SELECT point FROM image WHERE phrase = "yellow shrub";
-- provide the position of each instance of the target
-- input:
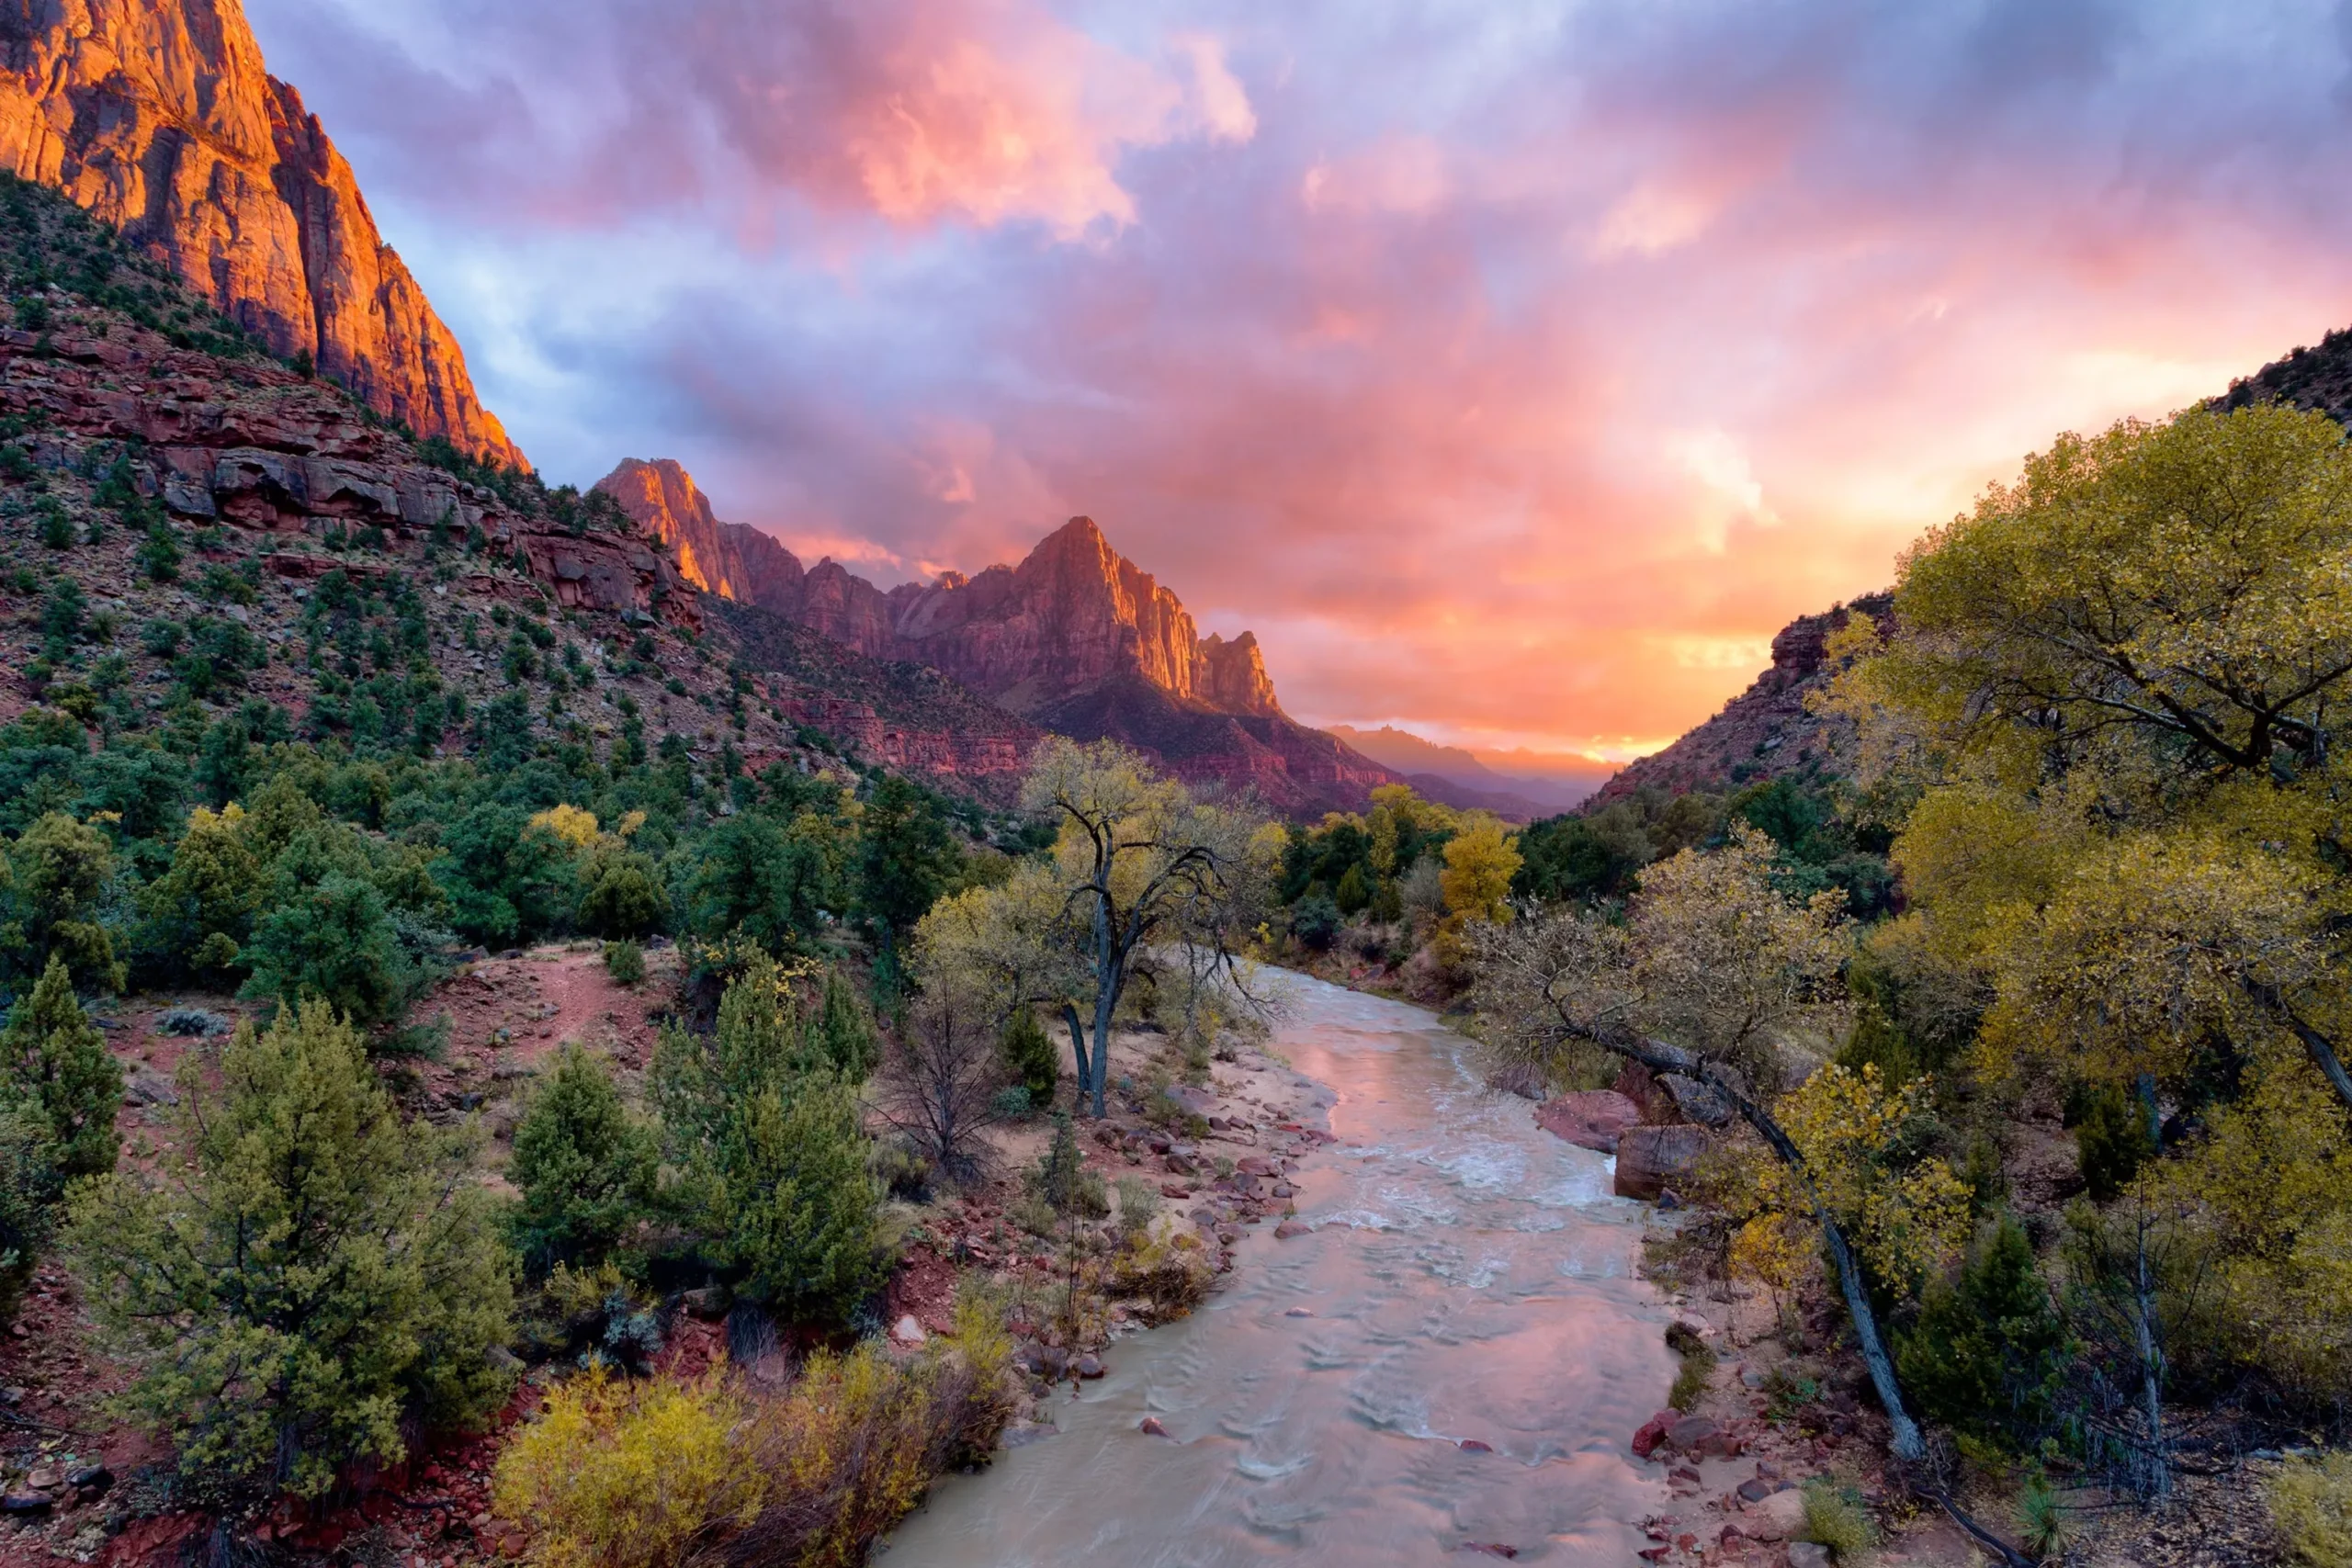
(631, 1475)
(2311, 1502)
(1169, 1269)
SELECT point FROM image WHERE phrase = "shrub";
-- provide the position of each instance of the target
(1315, 921)
(584, 1168)
(2311, 1502)
(158, 553)
(2111, 1140)
(620, 1474)
(314, 1278)
(1029, 1057)
(624, 961)
(29, 1185)
(1988, 1353)
(2042, 1522)
(1170, 1273)
(335, 942)
(1834, 1517)
(623, 899)
(794, 1205)
(1697, 1372)
(56, 1065)
(1061, 1181)
(846, 1030)
(1138, 1206)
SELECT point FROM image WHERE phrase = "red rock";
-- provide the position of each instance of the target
(1150, 1427)
(1690, 1433)
(157, 117)
(1474, 1445)
(1649, 1157)
(1653, 1431)
(1290, 1228)
(1591, 1120)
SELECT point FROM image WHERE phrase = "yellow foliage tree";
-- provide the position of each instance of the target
(1480, 861)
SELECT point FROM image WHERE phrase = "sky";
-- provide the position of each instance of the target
(1514, 368)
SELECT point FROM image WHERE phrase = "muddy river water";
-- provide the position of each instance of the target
(1470, 1280)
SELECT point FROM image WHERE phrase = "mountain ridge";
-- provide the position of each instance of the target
(158, 117)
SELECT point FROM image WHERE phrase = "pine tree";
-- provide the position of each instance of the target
(311, 1282)
(796, 1204)
(585, 1168)
(56, 1061)
(1030, 1057)
(1989, 1350)
(846, 1030)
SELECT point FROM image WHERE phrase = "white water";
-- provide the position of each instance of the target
(1471, 1278)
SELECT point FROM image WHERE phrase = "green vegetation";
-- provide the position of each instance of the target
(316, 1277)
(585, 1168)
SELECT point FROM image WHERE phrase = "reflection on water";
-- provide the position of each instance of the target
(1470, 1280)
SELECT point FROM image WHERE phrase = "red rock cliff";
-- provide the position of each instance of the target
(156, 116)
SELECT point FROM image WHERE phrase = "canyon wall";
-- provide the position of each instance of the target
(158, 118)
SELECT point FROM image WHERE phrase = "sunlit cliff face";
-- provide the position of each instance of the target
(1514, 371)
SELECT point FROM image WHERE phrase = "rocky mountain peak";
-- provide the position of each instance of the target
(158, 118)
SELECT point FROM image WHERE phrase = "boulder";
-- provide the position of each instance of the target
(1592, 1119)
(1702, 1103)
(1650, 1158)
(1777, 1518)
(907, 1332)
(1807, 1554)
(1653, 1432)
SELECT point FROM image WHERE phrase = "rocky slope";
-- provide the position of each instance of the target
(157, 117)
(162, 503)
(1765, 731)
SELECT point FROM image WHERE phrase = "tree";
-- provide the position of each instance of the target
(307, 1279)
(1480, 862)
(336, 943)
(623, 897)
(1140, 864)
(585, 1168)
(60, 870)
(201, 913)
(2123, 673)
(1989, 1350)
(795, 1208)
(942, 1084)
(1028, 1057)
(55, 1060)
(906, 859)
(1714, 969)
(759, 877)
(846, 1030)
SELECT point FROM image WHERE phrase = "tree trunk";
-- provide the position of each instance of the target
(1077, 1049)
(1905, 1441)
(2324, 1054)
(1106, 1004)
(2155, 1472)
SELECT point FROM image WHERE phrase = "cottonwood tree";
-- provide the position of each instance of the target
(1706, 983)
(2122, 678)
(1140, 868)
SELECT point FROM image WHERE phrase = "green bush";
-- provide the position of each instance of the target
(1315, 921)
(846, 1030)
(2311, 1502)
(585, 1170)
(1989, 1353)
(336, 942)
(1061, 1181)
(2111, 1139)
(1030, 1058)
(319, 1281)
(30, 1184)
(795, 1208)
(54, 1062)
(1697, 1372)
(1834, 1517)
(623, 899)
(624, 961)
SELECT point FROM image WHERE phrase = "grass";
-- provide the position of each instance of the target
(1834, 1518)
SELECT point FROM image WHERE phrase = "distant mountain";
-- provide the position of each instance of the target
(158, 118)
(1076, 638)
(1541, 791)
(1765, 731)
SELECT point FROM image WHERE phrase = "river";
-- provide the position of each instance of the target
(1470, 1280)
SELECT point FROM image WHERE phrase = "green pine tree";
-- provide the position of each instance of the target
(56, 1061)
(314, 1281)
(585, 1167)
(1989, 1350)
(1030, 1058)
(846, 1030)
(795, 1206)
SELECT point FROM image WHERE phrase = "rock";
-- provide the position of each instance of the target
(1088, 1367)
(145, 1086)
(1691, 1434)
(1808, 1554)
(1295, 1312)
(45, 1478)
(1474, 1446)
(90, 1478)
(1653, 1431)
(503, 1359)
(1149, 1426)
(1519, 1078)
(1754, 1490)
(25, 1502)
(1648, 1157)
(706, 1301)
(1190, 1099)
(1491, 1549)
(907, 1332)
(1290, 1228)
(1777, 1518)
(1698, 1102)
(1591, 1119)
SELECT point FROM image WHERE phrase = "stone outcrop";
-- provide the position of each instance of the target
(157, 117)
(1764, 732)
(1650, 1159)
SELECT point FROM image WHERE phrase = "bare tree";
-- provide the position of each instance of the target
(940, 1083)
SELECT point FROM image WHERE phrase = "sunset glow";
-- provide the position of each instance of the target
(1514, 371)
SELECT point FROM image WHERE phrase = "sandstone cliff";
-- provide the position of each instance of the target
(1765, 731)
(156, 117)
